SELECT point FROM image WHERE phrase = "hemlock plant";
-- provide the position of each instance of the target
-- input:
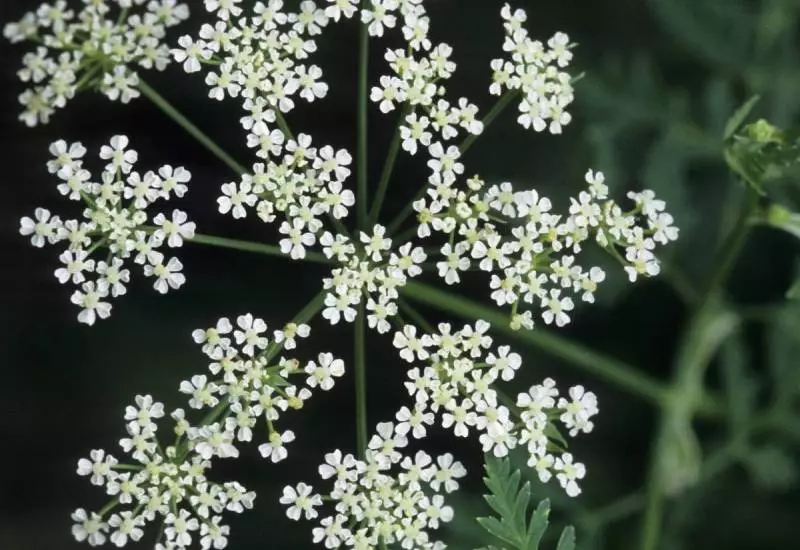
(391, 492)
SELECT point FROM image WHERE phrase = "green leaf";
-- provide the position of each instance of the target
(511, 503)
(737, 119)
(771, 468)
(567, 539)
(538, 525)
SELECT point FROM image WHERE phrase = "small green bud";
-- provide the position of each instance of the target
(764, 132)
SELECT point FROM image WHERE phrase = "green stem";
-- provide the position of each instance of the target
(193, 130)
(361, 381)
(621, 508)
(607, 368)
(415, 316)
(708, 328)
(310, 310)
(493, 113)
(250, 246)
(386, 174)
(501, 104)
(361, 123)
(283, 125)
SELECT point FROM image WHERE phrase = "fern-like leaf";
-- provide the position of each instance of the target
(512, 525)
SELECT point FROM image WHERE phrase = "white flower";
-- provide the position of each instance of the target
(145, 411)
(178, 528)
(250, 336)
(454, 261)
(43, 229)
(120, 158)
(341, 8)
(410, 346)
(89, 527)
(202, 393)
(113, 275)
(300, 501)
(333, 163)
(175, 230)
(234, 200)
(173, 180)
(323, 374)
(65, 156)
(75, 264)
(167, 275)
(390, 91)
(275, 449)
(125, 525)
(121, 84)
(99, 466)
(379, 15)
(296, 239)
(290, 332)
(191, 53)
(569, 473)
(578, 410)
(90, 298)
(557, 308)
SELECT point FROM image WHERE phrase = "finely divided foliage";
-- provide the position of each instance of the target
(389, 494)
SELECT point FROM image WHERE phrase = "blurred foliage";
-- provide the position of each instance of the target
(692, 145)
(648, 133)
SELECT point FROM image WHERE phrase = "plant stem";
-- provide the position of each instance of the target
(250, 246)
(361, 122)
(193, 130)
(708, 328)
(607, 368)
(283, 125)
(501, 104)
(361, 381)
(386, 174)
(362, 223)
(495, 111)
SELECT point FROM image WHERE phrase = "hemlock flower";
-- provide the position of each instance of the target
(169, 484)
(115, 219)
(529, 252)
(98, 47)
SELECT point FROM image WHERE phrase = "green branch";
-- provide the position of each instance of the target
(250, 246)
(388, 167)
(675, 452)
(501, 104)
(193, 130)
(361, 122)
(602, 366)
(361, 381)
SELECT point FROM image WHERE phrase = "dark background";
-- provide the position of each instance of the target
(64, 385)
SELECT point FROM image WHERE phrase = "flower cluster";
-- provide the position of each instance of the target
(115, 218)
(529, 251)
(457, 386)
(375, 275)
(261, 61)
(532, 253)
(534, 71)
(387, 498)
(95, 47)
(169, 484)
